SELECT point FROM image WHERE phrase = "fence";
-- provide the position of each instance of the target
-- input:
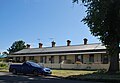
(76, 66)
(4, 65)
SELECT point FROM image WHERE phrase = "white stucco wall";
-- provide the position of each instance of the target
(71, 58)
(97, 58)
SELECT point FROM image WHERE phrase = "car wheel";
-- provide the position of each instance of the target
(35, 73)
(14, 71)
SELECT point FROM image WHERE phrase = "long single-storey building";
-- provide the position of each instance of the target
(84, 56)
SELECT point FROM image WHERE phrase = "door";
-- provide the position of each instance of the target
(52, 59)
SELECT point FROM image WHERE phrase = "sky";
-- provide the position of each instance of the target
(35, 21)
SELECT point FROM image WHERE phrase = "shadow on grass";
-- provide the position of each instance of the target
(97, 76)
(20, 78)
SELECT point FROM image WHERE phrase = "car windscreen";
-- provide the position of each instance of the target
(35, 64)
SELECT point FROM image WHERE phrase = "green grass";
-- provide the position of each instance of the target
(66, 73)
(87, 75)
(4, 70)
(104, 77)
(83, 75)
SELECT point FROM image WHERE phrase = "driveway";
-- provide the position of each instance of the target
(10, 78)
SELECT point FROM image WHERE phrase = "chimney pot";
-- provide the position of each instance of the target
(40, 45)
(53, 43)
(85, 41)
(68, 42)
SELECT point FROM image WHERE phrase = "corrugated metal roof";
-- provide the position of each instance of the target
(58, 54)
(96, 46)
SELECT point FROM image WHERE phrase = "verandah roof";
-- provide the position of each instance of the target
(63, 50)
(58, 54)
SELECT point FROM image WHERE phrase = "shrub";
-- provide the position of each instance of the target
(3, 65)
(102, 71)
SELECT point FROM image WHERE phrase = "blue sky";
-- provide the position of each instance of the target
(35, 21)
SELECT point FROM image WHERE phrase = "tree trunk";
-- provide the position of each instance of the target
(114, 57)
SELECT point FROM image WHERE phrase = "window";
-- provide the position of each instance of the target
(31, 58)
(79, 58)
(104, 58)
(62, 59)
(43, 59)
(24, 58)
(17, 59)
(91, 58)
(52, 59)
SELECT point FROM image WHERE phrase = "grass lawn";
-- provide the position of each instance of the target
(66, 73)
(63, 73)
(4, 70)
(87, 75)
(84, 75)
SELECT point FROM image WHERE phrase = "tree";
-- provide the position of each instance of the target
(5, 53)
(103, 19)
(16, 46)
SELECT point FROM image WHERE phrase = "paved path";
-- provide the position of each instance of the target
(10, 78)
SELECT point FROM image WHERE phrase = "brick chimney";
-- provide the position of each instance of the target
(68, 42)
(85, 41)
(53, 43)
(40, 45)
(28, 46)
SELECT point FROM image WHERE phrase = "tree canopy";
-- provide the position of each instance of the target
(16, 46)
(103, 19)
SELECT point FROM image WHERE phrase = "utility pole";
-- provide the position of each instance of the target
(39, 40)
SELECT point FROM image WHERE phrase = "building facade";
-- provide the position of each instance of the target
(84, 56)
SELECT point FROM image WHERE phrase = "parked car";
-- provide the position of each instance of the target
(29, 67)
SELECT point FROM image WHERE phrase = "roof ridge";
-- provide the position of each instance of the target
(92, 46)
(65, 46)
